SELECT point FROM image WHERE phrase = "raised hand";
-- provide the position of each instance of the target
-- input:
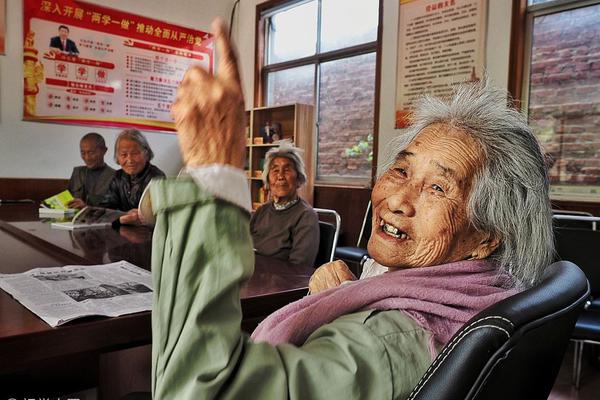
(209, 110)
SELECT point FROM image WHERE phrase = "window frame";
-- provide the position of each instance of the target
(261, 72)
(520, 60)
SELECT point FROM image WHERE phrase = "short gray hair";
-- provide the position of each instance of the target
(509, 198)
(285, 150)
(136, 136)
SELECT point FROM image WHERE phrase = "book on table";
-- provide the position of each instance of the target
(59, 201)
(45, 212)
(57, 206)
(91, 217)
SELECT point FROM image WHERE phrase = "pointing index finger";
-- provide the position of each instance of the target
(228, 69)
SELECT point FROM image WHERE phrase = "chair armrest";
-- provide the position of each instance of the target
(355, 254)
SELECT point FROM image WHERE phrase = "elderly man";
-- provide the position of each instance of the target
(286, 227)
(133, 154)
(89, 183)
(461, 218)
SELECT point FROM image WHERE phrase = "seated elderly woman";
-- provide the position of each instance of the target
(133, 154)
(461, 218)
(286, 227)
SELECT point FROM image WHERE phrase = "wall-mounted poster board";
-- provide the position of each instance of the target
(92, 65)
(2, 26)
(441, 44)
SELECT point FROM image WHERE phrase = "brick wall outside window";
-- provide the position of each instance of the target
(564, 96)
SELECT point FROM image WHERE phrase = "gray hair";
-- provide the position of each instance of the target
(96, 137)
(509, 197)
(135, 136)
(286, 150)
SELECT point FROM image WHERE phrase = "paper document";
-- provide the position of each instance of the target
(61, 294)
(90, 217)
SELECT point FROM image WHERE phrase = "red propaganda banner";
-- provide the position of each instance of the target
(92, 65)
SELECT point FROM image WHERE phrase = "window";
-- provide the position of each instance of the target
(562, 95)
(324, 52)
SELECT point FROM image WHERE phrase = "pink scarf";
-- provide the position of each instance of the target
(439, 298)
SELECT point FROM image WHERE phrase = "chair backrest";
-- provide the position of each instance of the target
(365, 229)
(513, 349)
(574, 219)
(326, 237)
(329, 234)
(581, 246)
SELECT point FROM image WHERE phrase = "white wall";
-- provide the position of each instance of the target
(244, 32)
(42, 150)
(497, 56)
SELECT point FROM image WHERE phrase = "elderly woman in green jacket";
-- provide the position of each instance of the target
(461, 220)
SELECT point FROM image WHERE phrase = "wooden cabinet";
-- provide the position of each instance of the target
(293, 122)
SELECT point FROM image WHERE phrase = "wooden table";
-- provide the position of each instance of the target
(49, 359)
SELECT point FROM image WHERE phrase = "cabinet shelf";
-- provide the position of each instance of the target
(263, 145)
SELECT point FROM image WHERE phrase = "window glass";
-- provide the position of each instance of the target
(292, 33)
(564, 97)
(346, 114)
(534, 2)
(340, 86)
(346, 23)
(294, 85)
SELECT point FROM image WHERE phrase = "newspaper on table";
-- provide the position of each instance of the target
(61, 294)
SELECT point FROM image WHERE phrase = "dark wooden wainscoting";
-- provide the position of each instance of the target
(36, 189)
(350, 203)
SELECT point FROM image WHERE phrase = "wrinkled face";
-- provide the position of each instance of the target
(283, 179)
(91, 154)
(131, 157)
(420, 203)
(63, 33)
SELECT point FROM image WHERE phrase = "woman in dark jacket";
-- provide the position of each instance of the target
(133, 154)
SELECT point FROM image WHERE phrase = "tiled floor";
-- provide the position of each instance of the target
(590, 380)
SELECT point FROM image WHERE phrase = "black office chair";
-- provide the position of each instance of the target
(328, 236)
(514, 349)
(581, 247)
(358, 254)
